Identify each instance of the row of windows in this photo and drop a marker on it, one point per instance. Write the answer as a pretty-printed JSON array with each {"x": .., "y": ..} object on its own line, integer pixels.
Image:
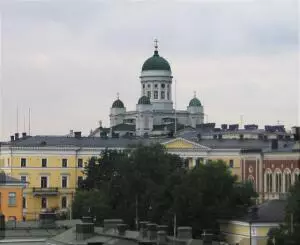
[
  {"x": 44, "y": 202},
  {"x": 44, "y": 183},
  {"x": 155, "y": 95},
  {"x": 279, "y": 182},
  {"x": 156, "y": 85},
  {"x": 64, "y": 163}
]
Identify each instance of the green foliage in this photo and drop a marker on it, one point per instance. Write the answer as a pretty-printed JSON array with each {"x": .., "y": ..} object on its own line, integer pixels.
[
  {"x": 156, "y": 183},
  {"x": 289, "y": 233}
]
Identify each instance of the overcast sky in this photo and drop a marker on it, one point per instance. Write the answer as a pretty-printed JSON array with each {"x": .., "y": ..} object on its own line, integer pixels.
[{"x": 67, "y": 60}]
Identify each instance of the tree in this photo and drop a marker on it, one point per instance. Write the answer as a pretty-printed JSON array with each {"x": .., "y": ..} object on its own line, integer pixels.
[
  {"x": 155, "y": 184},
  {"x": 289, "y": 233}
]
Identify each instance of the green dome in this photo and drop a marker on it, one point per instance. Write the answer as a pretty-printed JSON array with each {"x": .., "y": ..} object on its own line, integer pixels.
[
  {"x": 118, "y": 104},
  {"x": 195, "y": 102},
  {"x": 156, "y": 62},
  {"x": 144, "y": 100}
]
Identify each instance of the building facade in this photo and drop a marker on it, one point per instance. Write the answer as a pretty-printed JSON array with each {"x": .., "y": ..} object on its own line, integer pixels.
[{"x": 11, "y": 197}]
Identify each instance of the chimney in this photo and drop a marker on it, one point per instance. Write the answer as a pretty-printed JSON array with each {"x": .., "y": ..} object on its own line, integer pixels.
[
  {"x": 143, "y": 229},
  {"x": 77, "y": 135},
  {"x": 84, "y": 231},
  {"x": 12, "y": 138},
  {"x": 184, "y": 233},
  {"x": 274, "y": 144},
  {"x": 121, "y": 229},
  {"x": 152, "y": 231},
  {"x": 16, "y": 136},
  {"x": 24, "y": 135}
]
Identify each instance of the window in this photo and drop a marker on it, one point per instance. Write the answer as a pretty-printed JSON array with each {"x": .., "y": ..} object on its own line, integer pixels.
[
  {"x": 79, "y": 181},
  {"x": 143, "y": 85},
  {"x": 23, "y": 162},
  {"x": 44, "y": 163},
  {"x": 64, "y": 163},
  {"x": 24, "y": 179},
  {"x": 231, "y": 165},
  {"x": 155, "y": 95},
  {"x": 296, "y": 177},
  {"x": 44, "y": 182},
  {"x": 64, "y": 202},
  {"x": 149, "y": 94},
  {"x": 278, "y": 182},
  {"x": 44, "y": 202},
  {"x": 163, "y": 85},
  {"x": 148, "y": 85},
  {"x": 64, "y": 181},
  {"x": 162, "y": 95},
  {"x": 288, "y": 181},
  {"x": 80, "y": 163},
  {"x": 168, "y": 95},
  {"x": 269, "y": 182},
  {"x": 24, "y": 202},
  {"x": 155, "y": 86},
  {"x": 11, "y": 199}
]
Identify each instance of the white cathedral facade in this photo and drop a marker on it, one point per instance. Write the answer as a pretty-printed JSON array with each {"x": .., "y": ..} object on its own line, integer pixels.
[{"x": 154, "y": 113}]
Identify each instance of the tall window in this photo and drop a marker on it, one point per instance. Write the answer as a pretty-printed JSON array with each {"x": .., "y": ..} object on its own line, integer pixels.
[
  {"x": 43, "y": 202},
  {"x": 12, "y": 199},
  {"x": 80, "y": 163},
  {"x": 23, "y": 162},
  {"x": 155, "y": 95},
  {"x": 24, "y": 178},
  {"x": 44, "y": 181},
  {"x": 231, "y": 163},
  {"x": 287, "y": 181},
  {"x": 64, "y": 181},
  {"x": 149, "y": 94},
  {"x": 168, "y": 95},
  {"x": 44, "y": 163},
  {"x": 24, "y": 202},
  {"x": 278, "y": 182},
  {"x": 162, "y": 95},
  {"x": 64, "y": 163},
  {"x": 64, "y": 202},
  {"x": 269, "y": 182}
]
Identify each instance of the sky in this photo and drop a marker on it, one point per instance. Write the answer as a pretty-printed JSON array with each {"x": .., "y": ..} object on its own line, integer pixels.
[{"x": 67, "y": 60}]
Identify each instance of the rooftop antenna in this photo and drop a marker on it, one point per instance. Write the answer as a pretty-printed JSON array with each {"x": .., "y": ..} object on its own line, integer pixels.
[
  {"x": 241, "y": 120},
  {"x": 24, "y": 124},
  {"x": 118, "y": 95},
  {"x": 17, "y": 119},
  {"x": 175, "y": 127},
  {"x": 29, "y": 120}
]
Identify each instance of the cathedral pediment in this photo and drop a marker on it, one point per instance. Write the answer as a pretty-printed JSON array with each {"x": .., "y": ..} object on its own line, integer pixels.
[{"x": 181, "y": 143}]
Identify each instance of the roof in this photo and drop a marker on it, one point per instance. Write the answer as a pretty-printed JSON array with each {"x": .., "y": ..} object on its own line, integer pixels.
[
  {"x": 144, "y": 100},
  {"x": 118, "y": 104},
  {"x": 6, "y": 180},
  {"x": 156, "y": 62},
  {"x": 195, "y": 102}
]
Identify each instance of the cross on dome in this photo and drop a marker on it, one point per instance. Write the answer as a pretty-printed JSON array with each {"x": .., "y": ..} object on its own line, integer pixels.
[
  {"x": 118, "y": 95},
  {"x": 155, "y": 44},
  {"x": 194, "y": 94}
]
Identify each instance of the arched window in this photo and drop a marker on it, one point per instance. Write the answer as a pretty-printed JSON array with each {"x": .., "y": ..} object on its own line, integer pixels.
[
  {"x": 287, "y": 180},
  {"x": 269, "y": 181},
  {"x": 296, "y": 175},
  {"x": 278, "y": 181}
]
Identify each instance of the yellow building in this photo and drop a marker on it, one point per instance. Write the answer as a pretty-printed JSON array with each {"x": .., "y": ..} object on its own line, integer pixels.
[
  {"x": 53, "y": 165},
  {"x": 256, "y": 226}
]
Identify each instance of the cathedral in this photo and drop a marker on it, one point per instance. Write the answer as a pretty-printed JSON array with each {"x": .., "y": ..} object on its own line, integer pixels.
[{"x": 155, "y": 114}]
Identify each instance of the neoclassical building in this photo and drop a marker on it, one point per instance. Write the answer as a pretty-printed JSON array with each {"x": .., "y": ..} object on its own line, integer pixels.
[{"x": 154, "y": 113}]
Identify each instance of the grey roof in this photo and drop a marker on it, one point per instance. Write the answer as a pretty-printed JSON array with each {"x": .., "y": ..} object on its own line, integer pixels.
[{"x": 5, "y": 179}]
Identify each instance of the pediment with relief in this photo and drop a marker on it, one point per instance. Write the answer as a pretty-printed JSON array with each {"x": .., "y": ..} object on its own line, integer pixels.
[{"x": 180, "y": 143}]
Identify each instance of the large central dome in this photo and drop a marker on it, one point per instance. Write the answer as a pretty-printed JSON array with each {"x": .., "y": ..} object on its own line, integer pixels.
[{"x": 156, "y": 62}]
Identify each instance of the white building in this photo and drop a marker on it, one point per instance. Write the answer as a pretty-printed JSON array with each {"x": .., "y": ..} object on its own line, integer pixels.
[{"x": 154, "y": 114}]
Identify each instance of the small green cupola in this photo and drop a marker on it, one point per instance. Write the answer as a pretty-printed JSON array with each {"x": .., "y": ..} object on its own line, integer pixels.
[
  {"x": 144, "y": 100},
  {"x": 156, "y": 62},
  {"x": 195, "y": 101},
  {"x": 118, "y": 103}
]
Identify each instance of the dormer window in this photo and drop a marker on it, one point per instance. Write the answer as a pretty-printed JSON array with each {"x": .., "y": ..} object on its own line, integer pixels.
[{"x": 163, "y": 85}]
